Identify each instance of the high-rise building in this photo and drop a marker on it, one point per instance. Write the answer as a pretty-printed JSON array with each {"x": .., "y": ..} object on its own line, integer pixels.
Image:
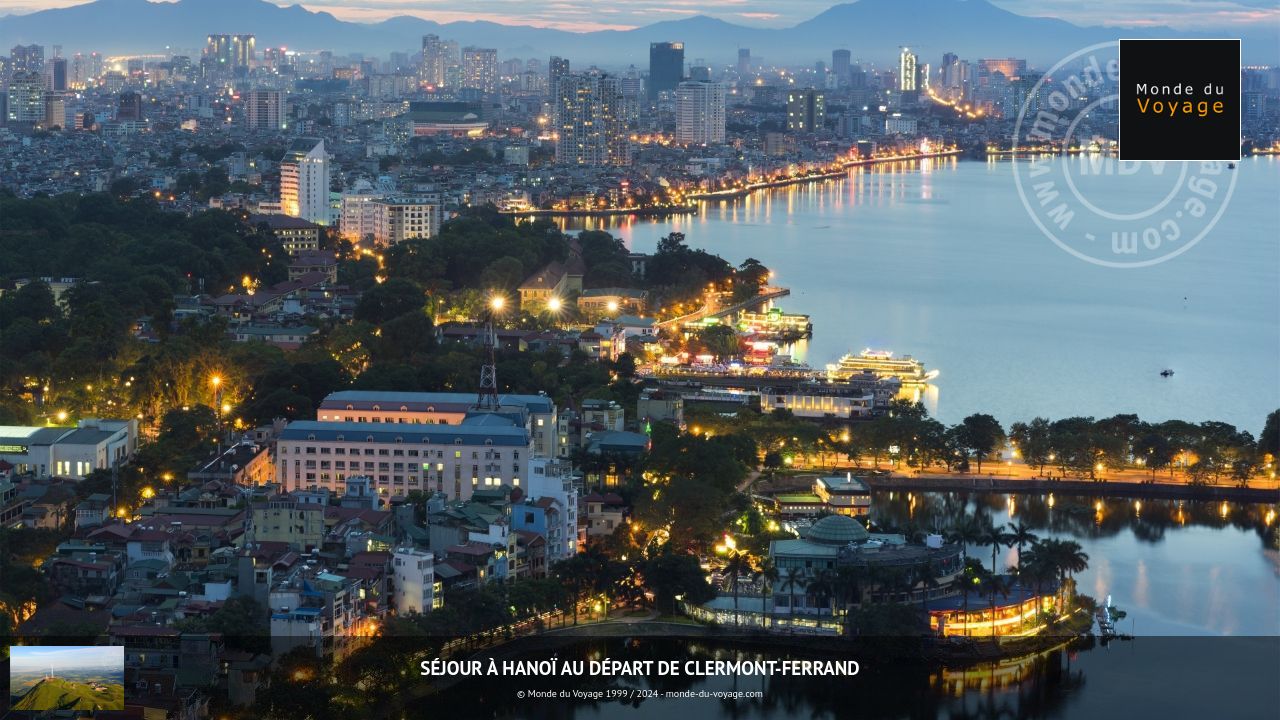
[
  {"x": 589, "y": 122},
  {"x": 242, "y": 50},
  {"x": 230, "y": 51},
  {"x": 666, "y": 67},
  {"x": 806, "y": 110},
  {"x": 26, "y": 59},
  {"x": 700, "y": 115},
  {"x": 907, "y": 71},
  {"x": 744, "y": 61},
  {"x": 26, "y": 98},
  {"x": 129, "y": 107},
  {"x": 56, "y": 75},
  {"x": 304, "y": 181},
  {"x": 434, "y": 61},
  {"x": 480, "y": 69},
  {"x": 264, "y": 110},
  {"x": 556, "y": 67},
  {"x": 55, "y": 110},
  {"x": 840, "y": 60}
]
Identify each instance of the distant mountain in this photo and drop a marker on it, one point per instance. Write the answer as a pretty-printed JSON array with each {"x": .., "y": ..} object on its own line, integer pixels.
[
  {"x": 871, "y": 29},
  {"x": 61, "y": 694}
]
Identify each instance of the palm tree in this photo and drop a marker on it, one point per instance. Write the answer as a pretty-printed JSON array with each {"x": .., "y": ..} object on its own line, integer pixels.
[
  {"x": 995, "y": 536},
  {"x": 768, "y": 572},
  {"x": 995, "y": 584},
  {"x": 792, "y": 578},
  {"x": 1069, "y": 558},
  {"x": 966, "y": 532},
  {"x": 822, "y": 585},
  {"x": 970, "y": 577},
  {"x": 1020, "y": 534},
  {"x": 737, "y": 565},
  {"x": 927, "y": 575}
]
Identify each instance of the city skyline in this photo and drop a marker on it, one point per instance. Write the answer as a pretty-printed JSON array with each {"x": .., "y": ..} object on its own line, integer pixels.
[{"x": 580, "y": 16}]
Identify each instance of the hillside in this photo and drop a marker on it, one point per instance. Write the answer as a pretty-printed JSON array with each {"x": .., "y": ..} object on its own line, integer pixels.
[{"x": 60, "y": 694}]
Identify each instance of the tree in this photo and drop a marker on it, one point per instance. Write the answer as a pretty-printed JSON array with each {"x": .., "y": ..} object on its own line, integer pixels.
[
  {"x": 737, "y": 566},
  {"x": 1019, "y": 535},
  {"x": 995, "y": 536},
  {"x": 390, "y": 299},
  {"x": 790, "y": 579},
  {"x": 671, "y": 574},
  {"x": 1032, "y": 441},
  {"x": 1269, "y": 440},
  {"x": 981, "y": 434},
  {"x": 966, "y": 532}
]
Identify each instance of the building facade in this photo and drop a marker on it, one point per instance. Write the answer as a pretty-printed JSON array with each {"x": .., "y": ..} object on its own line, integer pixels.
[
  {"x": 304, "y": 181},
  {"x": 700, "y": 114}
]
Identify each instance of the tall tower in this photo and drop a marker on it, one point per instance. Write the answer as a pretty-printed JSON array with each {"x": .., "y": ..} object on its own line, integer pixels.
[
  {"x": 700, "y": 115},
  {"x": 906, "y": 70},
  {"x": 666, "y": 67},
  {"x": 590, "y": 123},
  {"x": 434, "y": 61},
  {"x": 304, "y": 181},
  {"x": 480, "y": 69}
]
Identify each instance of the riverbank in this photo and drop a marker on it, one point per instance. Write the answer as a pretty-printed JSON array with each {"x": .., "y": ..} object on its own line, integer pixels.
[
  {"x": 1039, "y": 486},
  {"x": 745, "y": 190},
  {"x": 656, "y": 212}
]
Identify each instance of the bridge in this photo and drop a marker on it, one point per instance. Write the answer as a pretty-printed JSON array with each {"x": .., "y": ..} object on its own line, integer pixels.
[{"x": 708, "y": 310}]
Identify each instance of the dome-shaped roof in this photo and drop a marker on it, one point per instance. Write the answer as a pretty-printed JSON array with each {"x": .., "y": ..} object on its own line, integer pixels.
[{"x": 836, "y": 530}]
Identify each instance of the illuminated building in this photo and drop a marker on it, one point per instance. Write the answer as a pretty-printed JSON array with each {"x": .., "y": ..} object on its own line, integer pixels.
[
  {"x": 1016, "y": 612},
  {"x": 304, "y": 181},
  {"x": 806, "y": 110},
  {"x": 483, "y": 450},
  {"x": 1009, "y": 67},
  {"x": 396, "y": 219},
  {"x": 26, "y": 98},
  {"x": 907, "y": 71},
  {"x": 480, "y": 69},
  {"x": 434, "y": 60},
  {"x": 590, "y": 126},
  {"x": 700, "y": 117}
]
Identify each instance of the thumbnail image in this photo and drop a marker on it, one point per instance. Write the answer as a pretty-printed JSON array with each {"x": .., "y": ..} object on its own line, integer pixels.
[{"x": 85, "y": 678}]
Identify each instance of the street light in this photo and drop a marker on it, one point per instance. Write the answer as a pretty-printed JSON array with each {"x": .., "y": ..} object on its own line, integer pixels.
[
  {"x": 497, "y": 302},
  {"x": 554, "y": 304}
]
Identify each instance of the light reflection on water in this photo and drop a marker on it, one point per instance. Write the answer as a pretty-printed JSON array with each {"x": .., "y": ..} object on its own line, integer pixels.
[
  {"x": 940, "y": 260},
  {"x": 1177, "y": 567}
]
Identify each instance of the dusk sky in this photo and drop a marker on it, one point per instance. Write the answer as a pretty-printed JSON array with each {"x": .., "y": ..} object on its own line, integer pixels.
[
  {"x": 24, "y": 658},
  {"x": 625, "y": 14}
]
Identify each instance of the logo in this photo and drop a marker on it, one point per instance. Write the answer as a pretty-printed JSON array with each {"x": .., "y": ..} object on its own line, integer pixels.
[{"x": 1082, "y": 196}]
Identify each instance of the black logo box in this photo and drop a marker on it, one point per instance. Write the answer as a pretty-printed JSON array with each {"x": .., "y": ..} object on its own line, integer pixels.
[{"x": 1194, "y": 65}]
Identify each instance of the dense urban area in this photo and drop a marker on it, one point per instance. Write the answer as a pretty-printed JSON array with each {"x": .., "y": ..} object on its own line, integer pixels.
[{"x": 302, "y": 378}]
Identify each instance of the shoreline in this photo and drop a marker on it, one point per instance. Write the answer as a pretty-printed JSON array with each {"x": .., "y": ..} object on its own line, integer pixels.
[
  {"x": 830, "y": 175},
  {"x": 605, "y": 212},
  {"x": 1159, "y": 491}
]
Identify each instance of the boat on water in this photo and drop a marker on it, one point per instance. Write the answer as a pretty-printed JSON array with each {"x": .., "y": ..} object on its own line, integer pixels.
[
  {"x": 884, "y": 364},
  {"x": 1166, "y": 373}
]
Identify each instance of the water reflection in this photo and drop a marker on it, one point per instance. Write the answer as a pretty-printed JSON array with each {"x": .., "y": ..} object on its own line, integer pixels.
[{"x": 1177, "y": 567}]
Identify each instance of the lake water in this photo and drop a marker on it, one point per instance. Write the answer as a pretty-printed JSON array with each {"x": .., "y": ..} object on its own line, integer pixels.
[
  {"x": 1199, "y": 582},
  {"x": 940, "y": 260}
]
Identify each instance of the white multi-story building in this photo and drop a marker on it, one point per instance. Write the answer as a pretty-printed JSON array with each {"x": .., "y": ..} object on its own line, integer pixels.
[
  {"x": 264, "y": 110},
  {"x": 550, "y": 478},
  {"x": 484, "y": 450},
  {"x": 415, "y": 587},
  {"x": 357, "y": 216},
  {"x": 396, "y": 219},
  {"x": 26, "y": 97},
  {"x": 700, "y": 117},
  {"x": 304, "y": 181},
  {"x": 439, "y": 408}
]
